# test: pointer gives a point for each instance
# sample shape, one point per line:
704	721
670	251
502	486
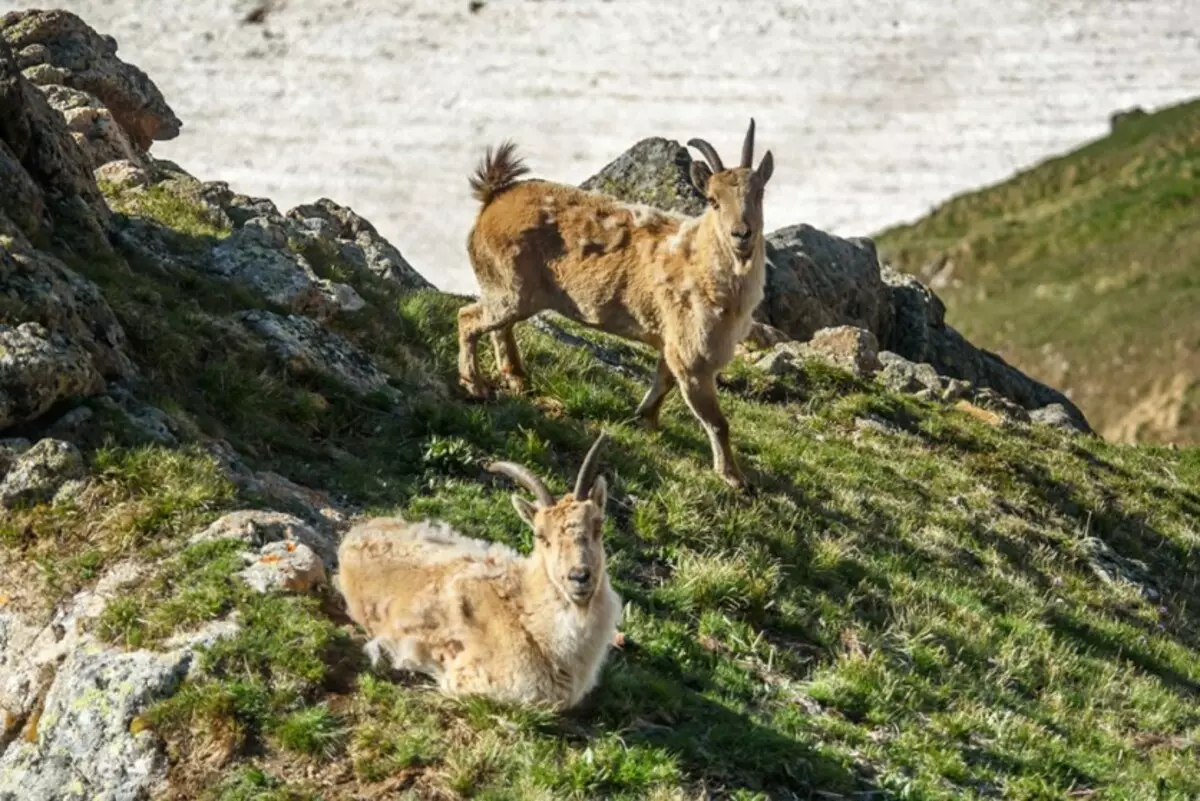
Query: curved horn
587	472
748	146
709	152
525	477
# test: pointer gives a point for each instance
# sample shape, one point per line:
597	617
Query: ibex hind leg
508	359
475	320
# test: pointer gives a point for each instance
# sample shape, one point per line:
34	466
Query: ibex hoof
476	390
515	384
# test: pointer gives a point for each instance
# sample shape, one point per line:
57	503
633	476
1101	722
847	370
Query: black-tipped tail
498	170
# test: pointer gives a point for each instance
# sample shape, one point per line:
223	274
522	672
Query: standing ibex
478	616
686	286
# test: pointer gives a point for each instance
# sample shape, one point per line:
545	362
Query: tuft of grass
313	731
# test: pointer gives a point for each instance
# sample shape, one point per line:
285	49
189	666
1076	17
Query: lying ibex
478	616
686	286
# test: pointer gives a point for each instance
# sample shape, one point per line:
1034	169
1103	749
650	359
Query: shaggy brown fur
478	616
685	286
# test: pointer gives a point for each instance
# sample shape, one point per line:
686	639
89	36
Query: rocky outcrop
654	171
816	280
37	370
36	137
307	348
257	254
57	47
355	241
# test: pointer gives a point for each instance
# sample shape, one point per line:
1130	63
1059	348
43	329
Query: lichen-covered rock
258	528
1055	415
83	59
36	136
37	370
816	280
258	255
852	349
36	287
786	357
85	746
38	473
901	375
284	567
123	173
21	202
355	241
99	135
305	347
655	172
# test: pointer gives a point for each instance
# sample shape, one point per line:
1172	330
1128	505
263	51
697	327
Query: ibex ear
766	167
524	508
700	173
599	493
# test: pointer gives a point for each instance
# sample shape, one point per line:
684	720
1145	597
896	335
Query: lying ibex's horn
526	478
709	152
587	472
748	146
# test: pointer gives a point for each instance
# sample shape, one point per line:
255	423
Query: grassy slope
1090	262
913	612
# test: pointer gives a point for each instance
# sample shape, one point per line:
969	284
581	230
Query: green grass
1083	271
911	615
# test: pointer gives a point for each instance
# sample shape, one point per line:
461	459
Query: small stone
285	566
901	375
38	473
1055	415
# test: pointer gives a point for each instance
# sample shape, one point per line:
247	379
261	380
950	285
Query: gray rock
36	136
786	357
306	347
36	287
93	127
258	528
355	241
87	61
88	745
38	473
21	201
852	349
258	255
655	172
901	375
816	280
284	567
123	173
10	449
37	370
1057	416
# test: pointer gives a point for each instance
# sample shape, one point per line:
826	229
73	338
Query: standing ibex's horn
748	146
709	152
587	472
526	478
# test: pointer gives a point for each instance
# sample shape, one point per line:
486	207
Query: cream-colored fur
479	617
685	286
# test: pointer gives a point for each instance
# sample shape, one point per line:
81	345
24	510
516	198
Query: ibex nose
579	575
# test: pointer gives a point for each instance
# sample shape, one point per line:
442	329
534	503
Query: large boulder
655	172
93	126
57	47
816	280
37	370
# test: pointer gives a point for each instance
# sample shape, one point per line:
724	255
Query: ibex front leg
700	394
